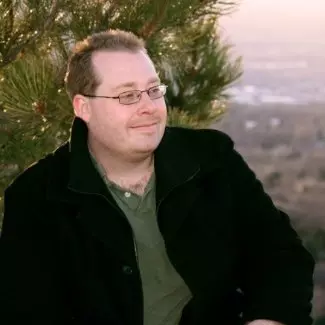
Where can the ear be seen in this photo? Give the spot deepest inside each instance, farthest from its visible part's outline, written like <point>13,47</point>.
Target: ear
<point>81,107</point>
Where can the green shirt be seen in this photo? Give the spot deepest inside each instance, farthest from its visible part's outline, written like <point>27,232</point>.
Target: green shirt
<point>165,292</point>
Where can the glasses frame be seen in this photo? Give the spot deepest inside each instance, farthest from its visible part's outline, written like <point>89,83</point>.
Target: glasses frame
<point>124,92</point>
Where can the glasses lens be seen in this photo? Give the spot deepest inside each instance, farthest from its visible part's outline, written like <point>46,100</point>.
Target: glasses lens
<point>130,97</point>
<point>157,92</point>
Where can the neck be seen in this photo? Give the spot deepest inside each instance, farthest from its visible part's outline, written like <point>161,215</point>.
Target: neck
<point>125,171</point>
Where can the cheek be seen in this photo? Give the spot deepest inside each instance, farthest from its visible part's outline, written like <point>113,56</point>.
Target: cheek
<point>162,109</point>
<point>109,122</point>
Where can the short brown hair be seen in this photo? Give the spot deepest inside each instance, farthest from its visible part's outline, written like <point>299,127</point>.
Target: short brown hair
<point>80,76</point>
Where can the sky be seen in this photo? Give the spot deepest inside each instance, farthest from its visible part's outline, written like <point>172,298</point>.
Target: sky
<point>277,20</point>
<point>282,44</point>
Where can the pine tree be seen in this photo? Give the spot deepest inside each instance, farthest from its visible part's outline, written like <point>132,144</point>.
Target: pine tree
<point>35,40</point>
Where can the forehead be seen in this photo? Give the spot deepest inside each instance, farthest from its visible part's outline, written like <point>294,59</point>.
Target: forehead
<point>115,68</point>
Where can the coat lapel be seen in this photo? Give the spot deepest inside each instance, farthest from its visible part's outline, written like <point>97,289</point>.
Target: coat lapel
<point>75,182</point>
<point>107,223</point>
<point>174,164</point>
<point>177,172</point>
<point>184,172</point>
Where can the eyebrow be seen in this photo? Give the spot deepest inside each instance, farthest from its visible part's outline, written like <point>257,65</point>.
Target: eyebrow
<point>133,84</point>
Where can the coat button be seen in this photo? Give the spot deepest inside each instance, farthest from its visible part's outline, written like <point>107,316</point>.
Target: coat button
<point>127,270</point>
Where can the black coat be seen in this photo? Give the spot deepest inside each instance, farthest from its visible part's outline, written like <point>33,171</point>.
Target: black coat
<point>67,253</point>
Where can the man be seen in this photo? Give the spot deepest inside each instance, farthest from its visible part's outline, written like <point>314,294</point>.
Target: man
<point>133,223</point>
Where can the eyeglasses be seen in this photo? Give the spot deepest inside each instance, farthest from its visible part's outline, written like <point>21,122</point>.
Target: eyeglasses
<point>134,96</point>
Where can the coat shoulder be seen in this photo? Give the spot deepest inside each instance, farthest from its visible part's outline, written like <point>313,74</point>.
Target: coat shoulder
<point>214,134</point>
<point>34,178</point>
<point>204,143</point>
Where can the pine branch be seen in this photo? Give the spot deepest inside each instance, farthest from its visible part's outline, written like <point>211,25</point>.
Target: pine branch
<point>10,20</point>
<point>14,52</point>
<point>150,27</point>
<point>183,42</point>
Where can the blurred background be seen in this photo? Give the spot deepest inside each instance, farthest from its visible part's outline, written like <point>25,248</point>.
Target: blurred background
<point>277,110</point>
<point>252,68</point>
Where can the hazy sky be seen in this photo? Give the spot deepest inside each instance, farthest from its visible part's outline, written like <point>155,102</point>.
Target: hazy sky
<point>277,20</point>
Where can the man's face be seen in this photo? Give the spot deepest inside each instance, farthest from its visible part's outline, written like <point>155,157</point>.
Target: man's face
<point>125,129</point>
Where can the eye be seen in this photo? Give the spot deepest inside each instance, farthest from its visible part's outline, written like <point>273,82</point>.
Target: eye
<point>129,95</point>
<point>155,92</point>
<point>155,89</point>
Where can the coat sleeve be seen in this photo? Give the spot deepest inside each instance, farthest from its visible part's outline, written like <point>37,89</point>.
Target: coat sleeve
<point>276,271</point>
<point>29,281</point>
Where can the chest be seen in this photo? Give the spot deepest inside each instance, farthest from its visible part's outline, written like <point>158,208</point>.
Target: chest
<point>197,223</point>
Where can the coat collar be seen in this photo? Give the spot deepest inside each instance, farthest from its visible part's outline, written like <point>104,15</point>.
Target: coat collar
<point>175,162</point>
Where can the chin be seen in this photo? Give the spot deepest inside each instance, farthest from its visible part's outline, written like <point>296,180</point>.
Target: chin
<point>147,140</point>
<point>146,146</point>
<point>146,149</point>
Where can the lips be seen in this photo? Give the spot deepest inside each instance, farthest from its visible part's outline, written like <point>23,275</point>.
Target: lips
<point>145,125</point>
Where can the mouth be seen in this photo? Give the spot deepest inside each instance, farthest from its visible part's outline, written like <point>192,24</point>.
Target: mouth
<point>148,127</point>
